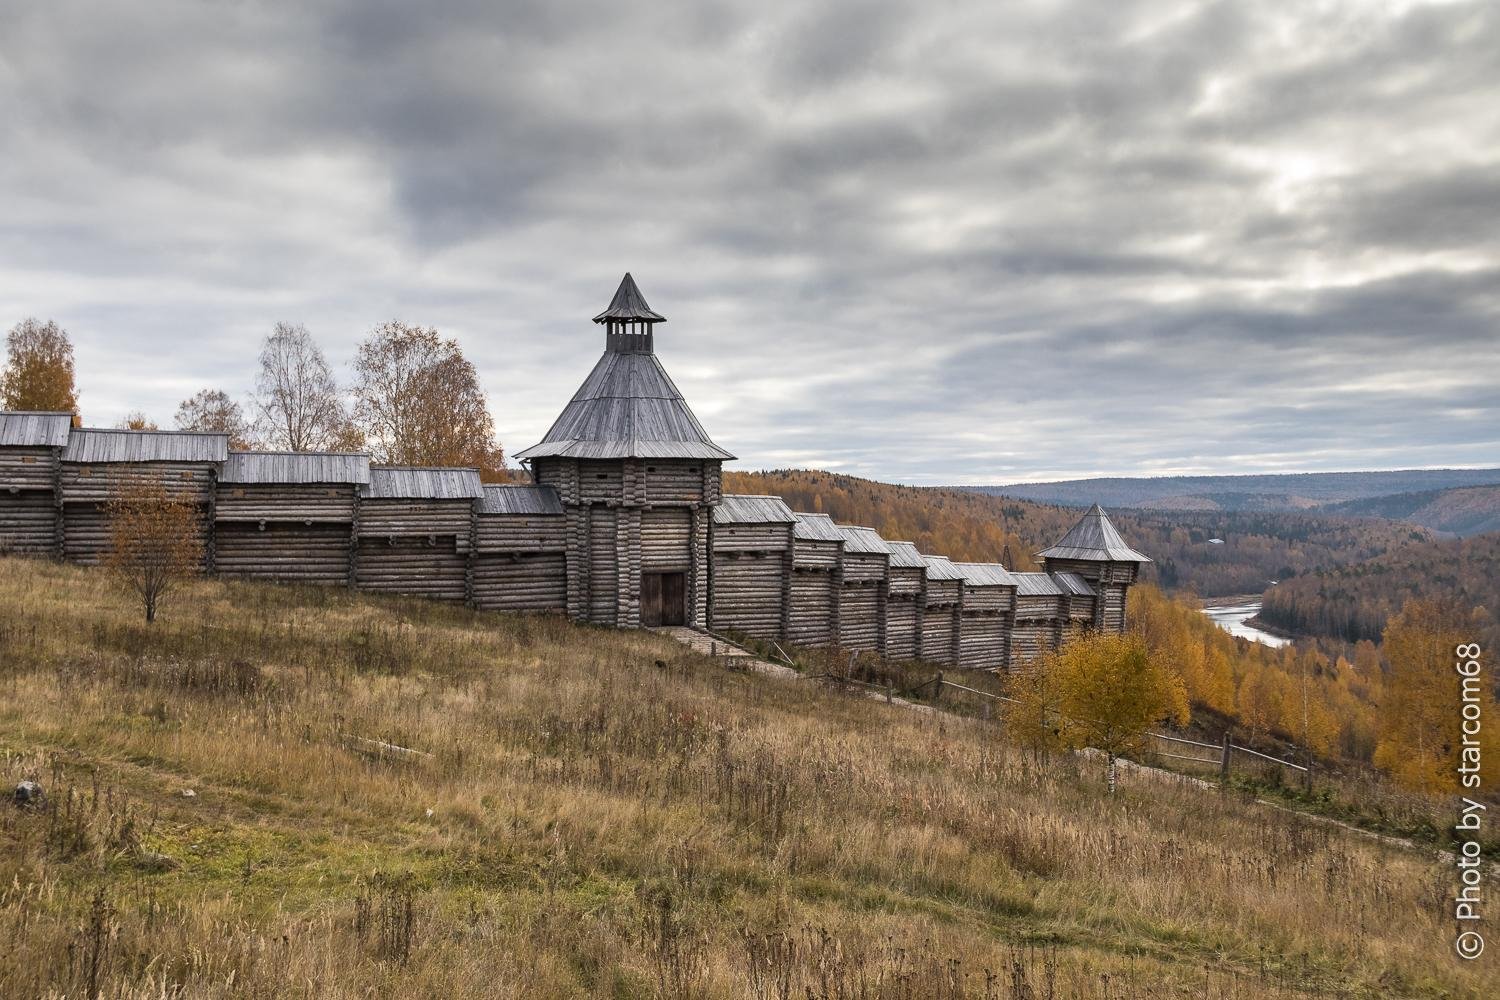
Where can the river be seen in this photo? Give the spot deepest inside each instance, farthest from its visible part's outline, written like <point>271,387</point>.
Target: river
<point>1231,618</point>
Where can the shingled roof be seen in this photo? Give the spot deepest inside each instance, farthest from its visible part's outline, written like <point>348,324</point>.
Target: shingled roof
<point>520,499</point>
<point>816,528</point>
<point>941,568</point>
<point>103,445</point>
<point>905,556</point>
<point>866,541</point>
<point>409,482</point>
<point>34,429</point>
<point>736,508</point>
<point>987,575</point>
<point>1095,539</point>
<point>322,467</point>
<point>628,407</point>
<point>1036,585</point>
<point>629,305</point>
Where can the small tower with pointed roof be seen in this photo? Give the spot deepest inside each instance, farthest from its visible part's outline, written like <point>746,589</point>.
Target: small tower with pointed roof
<point>638,478</point>
<point>1094,550</point>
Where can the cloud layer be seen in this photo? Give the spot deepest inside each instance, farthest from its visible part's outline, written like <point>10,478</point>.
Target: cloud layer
<point>937,243</point>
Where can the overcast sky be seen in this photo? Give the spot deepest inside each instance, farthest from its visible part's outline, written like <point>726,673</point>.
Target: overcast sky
<point>926,242</point>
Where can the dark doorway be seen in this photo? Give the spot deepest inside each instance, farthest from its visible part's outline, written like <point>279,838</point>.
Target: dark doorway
<point>663,598</point>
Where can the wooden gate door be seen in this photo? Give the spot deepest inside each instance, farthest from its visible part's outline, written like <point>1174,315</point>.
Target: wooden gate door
<point>674,598</point>
<point>651,599</point>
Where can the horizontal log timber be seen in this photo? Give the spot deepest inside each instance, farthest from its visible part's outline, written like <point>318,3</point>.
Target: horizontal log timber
<point>97,482</point>
<point>982,641</point>
<point>811,554</point>
<point>28,523</point>
<point>859,616</point>
<point>939,635</point>
<point>901,618</point>
<point>520,533</point>
<point>943,593</point>
<point>416,566</point>
<point>752,537</point>
<point>604,565</point>
<point>316,553</point>
<point>747,591</point>
<point>395,518</point>
<point>86,532</point>
<point>905,580</point>
<point>27,469</point>
<point>284,502</point>
<point>665,481</point>
<point>523,581</point>
<point>812,611</point>
<point>863,568</point>
<point>666,543</point>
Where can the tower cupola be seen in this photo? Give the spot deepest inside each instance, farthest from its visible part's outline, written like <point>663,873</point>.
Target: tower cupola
<point>629,323</point>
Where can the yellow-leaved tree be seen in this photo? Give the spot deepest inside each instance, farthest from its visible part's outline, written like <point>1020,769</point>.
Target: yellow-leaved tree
<point>1106,691</point>
<point>38,373</point>
<point>1421,743</point>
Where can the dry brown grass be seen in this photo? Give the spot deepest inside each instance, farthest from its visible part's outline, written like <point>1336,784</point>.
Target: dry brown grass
<point>600,814</point>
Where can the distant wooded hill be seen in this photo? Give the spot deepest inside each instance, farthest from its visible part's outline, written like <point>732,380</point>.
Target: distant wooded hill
<point>1301,491</point>
<point>1463,511</point>
<point>1213,553</point>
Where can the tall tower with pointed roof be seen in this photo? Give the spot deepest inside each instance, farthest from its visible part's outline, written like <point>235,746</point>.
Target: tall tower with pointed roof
<point>637,476</point>
<point>1094,550</point>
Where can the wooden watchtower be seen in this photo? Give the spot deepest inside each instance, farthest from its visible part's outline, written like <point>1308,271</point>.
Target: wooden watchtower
<point>637,477</point>
<point>1094,550</point>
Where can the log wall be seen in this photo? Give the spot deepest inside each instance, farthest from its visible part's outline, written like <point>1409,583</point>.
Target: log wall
<point>84,489</point>
<point>604,562</point>
<point>519,562</point>
<point>750,582</point>
<point>618,520</point>
<point>295,552</point>
<point>747,593</point>
<point>982,643</point>
<point>902,626</point>
<point>299,532</point>
<point>813,615</point>
<point>860,605</point>
<point>27,469</point>
<point>520,581</point>
<point>28,523</point>
<point>939,635</point>
<point>414,546</point>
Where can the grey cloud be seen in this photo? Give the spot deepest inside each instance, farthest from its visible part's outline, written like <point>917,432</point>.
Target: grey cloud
<point>933,243</point>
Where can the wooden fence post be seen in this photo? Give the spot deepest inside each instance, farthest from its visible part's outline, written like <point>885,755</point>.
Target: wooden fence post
<point>1224,764</point>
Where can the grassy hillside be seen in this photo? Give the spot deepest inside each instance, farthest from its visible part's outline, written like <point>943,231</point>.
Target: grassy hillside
<point>1464,511</point>
<point>1297,491</point>
<point>599,814</point>
<point>1256,547</point>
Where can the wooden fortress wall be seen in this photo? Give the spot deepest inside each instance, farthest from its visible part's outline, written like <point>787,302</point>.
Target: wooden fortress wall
<point>578,543</point>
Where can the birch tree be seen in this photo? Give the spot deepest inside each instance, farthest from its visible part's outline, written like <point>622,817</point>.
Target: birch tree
<point>298,406</point>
